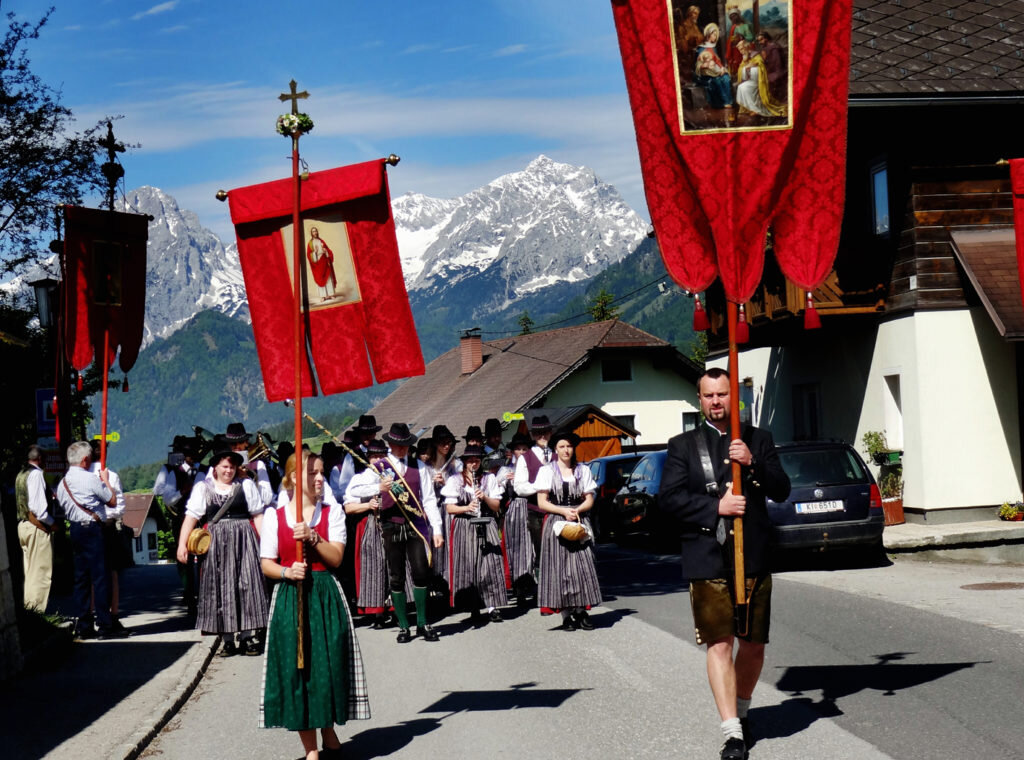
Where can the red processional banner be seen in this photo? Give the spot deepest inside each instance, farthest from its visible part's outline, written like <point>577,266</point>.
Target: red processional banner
<point>104,284</point>
<point>740,116</point>
<point>355,304</point>
<point>1017,188</point>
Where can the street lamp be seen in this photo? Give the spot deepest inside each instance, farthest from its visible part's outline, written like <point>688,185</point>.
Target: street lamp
<point>46,300</point>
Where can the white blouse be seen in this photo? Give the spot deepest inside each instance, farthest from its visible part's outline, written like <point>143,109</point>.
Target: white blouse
<point>268,538</point>
<point>196,506</point>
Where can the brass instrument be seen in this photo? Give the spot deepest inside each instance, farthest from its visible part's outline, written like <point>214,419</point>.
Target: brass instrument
<point>261,450</point>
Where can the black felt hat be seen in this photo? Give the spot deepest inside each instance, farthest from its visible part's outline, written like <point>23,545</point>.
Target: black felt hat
<point>234,456</point>
<point>520,439</point>
<point>563,435</point>
<point>367,424</point>
<point>473,451</point>
<point>492,427</point>
<point>473,433</point>
<point>236,433</point>
<point>441,433</point>
<point>399,435</point>
<point>376,446</point>
<point>540,423</point>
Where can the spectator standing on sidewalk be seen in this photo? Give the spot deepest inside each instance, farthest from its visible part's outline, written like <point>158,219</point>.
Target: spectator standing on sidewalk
<point>85,497</point>
<point>36,524</point>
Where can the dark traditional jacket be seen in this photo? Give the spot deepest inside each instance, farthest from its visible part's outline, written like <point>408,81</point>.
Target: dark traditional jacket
<point>683,495</point>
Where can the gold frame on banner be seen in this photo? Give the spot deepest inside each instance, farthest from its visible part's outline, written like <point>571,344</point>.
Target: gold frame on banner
<point>686,33</point>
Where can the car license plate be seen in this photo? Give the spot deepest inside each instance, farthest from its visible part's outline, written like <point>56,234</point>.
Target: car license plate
<point>813,507</point>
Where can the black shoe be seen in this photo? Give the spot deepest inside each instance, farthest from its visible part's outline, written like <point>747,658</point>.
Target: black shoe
<point>583,621</point>
<point>734,749</point>
<point>404,637</point>
<point>428,633</point>
<point>84,634</point>
<point>228,649</point>
<point>379,623</point>
<point>495,616</point>
<point>115,625</point>
<point>748,735</point>
<point>476,617</point>
<point>252,647</point>
<point>568,624</point>
<point>105,634</point>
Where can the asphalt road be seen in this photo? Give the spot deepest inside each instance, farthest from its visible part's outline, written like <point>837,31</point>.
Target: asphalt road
<point>898,661</point>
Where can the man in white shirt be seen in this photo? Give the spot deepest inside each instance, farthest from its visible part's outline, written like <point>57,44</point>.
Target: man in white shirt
<point>341,474</point>
<point>85,497</point>
<point>115,552</point>
<point>525,480</point>
<point>36,523</point>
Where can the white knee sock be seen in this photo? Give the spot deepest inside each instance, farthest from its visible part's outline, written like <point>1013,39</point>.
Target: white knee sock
<point>731,728</point>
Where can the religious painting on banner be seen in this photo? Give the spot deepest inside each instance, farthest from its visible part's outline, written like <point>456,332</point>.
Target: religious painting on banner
<point>329,265</point>
<point>353,293</point>
<point>732,64</point>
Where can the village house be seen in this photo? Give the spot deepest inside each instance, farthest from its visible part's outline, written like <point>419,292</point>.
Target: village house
<point>921,318</point>
<point>608,381</point>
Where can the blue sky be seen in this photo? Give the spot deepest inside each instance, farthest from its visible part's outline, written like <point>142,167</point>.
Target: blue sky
<point>462,90</point>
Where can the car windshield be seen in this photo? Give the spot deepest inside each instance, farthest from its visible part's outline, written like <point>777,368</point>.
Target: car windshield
<point>822,467</point>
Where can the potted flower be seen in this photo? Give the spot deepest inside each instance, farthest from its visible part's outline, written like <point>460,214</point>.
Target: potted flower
<point>890,476</point>
<point>1013,512</point>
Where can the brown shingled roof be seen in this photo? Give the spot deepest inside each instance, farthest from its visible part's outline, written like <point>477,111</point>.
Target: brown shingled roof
<point>989,258</point>
<point>515,374</point>
<point>936,47</point>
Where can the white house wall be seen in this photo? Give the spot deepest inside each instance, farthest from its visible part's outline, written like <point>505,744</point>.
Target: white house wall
<point>657,398</point>
<point>961,446</point>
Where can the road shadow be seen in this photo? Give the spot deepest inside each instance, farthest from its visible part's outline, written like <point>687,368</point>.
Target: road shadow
<point>628,573</point>
<point>54,705</point>
<point>518,696</point>
<point>886,675</point>
<point>387,740</point>
<point>843,558</point>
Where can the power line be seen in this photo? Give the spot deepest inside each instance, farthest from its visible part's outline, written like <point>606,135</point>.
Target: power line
<point>574,316</point>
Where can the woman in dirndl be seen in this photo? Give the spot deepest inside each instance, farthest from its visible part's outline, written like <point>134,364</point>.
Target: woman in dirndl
<point>515,536</point>
<point>476,568</point>
<point>362,505</point>
<point>442,466</point>
<point>568,578</point>
<point>330,689</point>
<point>232,599</point>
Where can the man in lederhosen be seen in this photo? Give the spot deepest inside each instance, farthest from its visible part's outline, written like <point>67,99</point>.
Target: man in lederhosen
<point>525,484</point>
<point>696,489</point>
<point>411,523</point>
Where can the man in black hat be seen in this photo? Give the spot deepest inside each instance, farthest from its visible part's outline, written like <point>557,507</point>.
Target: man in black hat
<point>361,435</point>
<point>411,524</point>
<point>696,489</point>
<point>495,450</point>
<point>174,484</point>
<point>525,481</point>
<point>237,440</point>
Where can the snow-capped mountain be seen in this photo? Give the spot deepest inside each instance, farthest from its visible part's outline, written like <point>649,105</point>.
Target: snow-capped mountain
<point>188,268</point>
<point>549,223</point>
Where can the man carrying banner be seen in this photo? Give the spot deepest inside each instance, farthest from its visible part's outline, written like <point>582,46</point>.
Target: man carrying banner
<point>694,489</point>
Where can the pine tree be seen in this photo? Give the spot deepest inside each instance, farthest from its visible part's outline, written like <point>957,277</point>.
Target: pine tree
<point>601,307</point>
<point>525,323</point>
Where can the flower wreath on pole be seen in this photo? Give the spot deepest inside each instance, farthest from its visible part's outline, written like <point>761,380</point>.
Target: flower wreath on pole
<point>291,124</point>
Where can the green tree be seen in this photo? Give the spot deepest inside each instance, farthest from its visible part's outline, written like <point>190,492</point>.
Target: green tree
<point>44,162</point>
<point>602,308</point>
<point>525,323</point>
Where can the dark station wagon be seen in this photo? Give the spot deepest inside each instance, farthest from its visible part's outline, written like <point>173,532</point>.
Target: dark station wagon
<point>833,500</point>
<point>609,473</point>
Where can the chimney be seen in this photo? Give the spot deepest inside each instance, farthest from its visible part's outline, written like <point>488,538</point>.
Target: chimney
<point>471,350</point>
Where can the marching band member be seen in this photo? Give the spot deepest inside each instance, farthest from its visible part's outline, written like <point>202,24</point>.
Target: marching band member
<point>568,579</point>
<point>231,594</point>
<point>496,452</point>
<point>331,688</point>
<point>410,520</point>
<point>362,502</point>
<point>174,485</point>
<point>237,440</point>
<point>515,535</point>
<point>476,572</point>
<point>340,475</point>
<point>443,465</point>
<point>528,467</point>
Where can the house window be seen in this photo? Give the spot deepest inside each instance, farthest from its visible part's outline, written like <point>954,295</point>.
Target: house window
<point>880,199</point>
<point>806,411</point>
<point>690,421</point>
<point>616,371</point>
<point>138,545</point>
<point>151,541</point>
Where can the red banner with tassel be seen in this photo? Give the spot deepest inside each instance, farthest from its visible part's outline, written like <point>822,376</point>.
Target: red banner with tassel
<point>741,125</point>
<point>1017,188</point>
<point>357,308</point>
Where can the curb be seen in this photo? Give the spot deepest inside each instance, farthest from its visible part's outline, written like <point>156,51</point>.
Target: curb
<point>910,538</point>
<point>199,661</point>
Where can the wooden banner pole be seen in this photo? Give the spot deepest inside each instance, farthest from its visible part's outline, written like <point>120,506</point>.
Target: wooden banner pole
<point>739,568</point>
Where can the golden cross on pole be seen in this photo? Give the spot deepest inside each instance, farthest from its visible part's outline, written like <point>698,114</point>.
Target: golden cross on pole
<point>293,96</point>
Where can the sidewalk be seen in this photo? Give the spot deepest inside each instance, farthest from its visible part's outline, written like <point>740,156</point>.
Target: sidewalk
<point>105,699</point>
<point>990,541</point>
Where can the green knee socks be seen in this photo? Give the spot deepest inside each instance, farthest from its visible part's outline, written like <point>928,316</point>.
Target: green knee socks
<point>419,595</point>
<point>399,601</point>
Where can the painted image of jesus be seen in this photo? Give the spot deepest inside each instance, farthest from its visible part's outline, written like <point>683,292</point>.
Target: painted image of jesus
<point>321,262</point>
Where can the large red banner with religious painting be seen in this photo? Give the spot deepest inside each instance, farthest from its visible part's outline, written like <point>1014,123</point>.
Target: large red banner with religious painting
<point>104,284</point>
<point>740,115</point>
<point>355,305</point>
<point>1017,189</point>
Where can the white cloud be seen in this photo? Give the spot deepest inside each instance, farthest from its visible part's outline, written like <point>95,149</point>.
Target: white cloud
<point>509,50</point>
<point>173,29</point>
<point>161,8</point>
